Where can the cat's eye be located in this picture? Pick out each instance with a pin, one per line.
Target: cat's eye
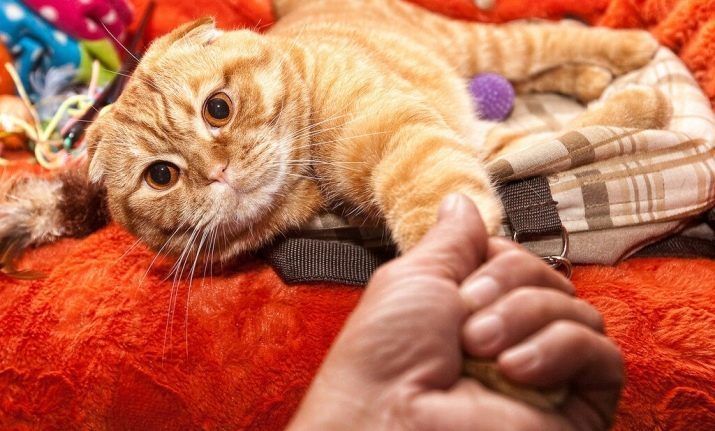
(161, 175)
(217, 110)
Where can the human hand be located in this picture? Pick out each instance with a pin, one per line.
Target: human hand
(397, 364)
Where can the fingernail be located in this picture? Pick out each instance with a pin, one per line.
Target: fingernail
(450, 204)
(522, 358)
(480, 292)
(486, 332)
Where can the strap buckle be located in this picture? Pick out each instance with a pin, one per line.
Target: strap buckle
(559, 262)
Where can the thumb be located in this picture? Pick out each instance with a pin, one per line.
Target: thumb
(456, 245)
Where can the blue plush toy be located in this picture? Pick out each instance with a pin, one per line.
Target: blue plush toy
(34, 43)
(38, 48)
(493, 95)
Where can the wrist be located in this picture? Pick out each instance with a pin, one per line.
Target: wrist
(340, 400)
(331, 407)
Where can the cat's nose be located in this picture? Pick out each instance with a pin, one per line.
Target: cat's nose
(218, 174)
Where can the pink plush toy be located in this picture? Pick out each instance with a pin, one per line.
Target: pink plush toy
(85, 19)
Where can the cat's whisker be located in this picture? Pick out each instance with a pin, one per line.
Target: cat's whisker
(313, 143)
(324, 162)
(212, 242)
(133, 76)
(210, 255)
(312, 129)
(300, 176)
(169, 331)
(129, 249)
(141, 281)
(313, 125)
(284, 54)
(309, 163)
(225, 243)
(118, 42)
(213, 251)
(188, 291)
(310, 133)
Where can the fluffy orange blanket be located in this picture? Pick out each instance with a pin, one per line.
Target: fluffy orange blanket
(106, 343)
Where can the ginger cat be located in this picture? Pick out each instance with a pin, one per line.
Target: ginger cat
(223, 140)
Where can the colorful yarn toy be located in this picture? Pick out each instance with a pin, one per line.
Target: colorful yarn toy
(46, 142)
(38, 47)
(493, 95)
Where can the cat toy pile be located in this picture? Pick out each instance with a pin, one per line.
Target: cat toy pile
(52, 87)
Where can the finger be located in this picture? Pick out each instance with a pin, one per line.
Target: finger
(507, 271)
(455, 245)
(471, 406)
(520, 314)
(565, 351)
(497, 245)
(569, 352)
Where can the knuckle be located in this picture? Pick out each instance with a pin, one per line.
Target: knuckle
(518, 257)
(524, 297)
(567, 329)
(594, 318)
(534, 301)
(615, 353)
(616, 361)
(518, 264)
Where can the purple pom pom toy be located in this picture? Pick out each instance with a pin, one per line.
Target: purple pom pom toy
(493, 95)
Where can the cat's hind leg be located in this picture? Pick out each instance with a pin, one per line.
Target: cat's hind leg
(521, 50)
(585, 82)
(635, 106)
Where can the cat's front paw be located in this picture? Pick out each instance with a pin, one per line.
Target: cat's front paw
(408, 229)
(490, 209)
(630, 50)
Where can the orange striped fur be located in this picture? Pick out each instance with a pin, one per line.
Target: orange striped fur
(360, 104)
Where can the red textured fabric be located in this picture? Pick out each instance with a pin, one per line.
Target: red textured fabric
(229, 14)
(93, 346)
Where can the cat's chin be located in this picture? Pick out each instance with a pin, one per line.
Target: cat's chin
(250, 232)
(242, 244)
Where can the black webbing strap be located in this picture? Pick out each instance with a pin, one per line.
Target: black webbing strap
(680, 246)
(528, 203)
(532, 214)
(530, 208)
(302, 260)
(683, 245)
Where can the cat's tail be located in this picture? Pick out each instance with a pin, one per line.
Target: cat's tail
(522, 50)
(40, 210)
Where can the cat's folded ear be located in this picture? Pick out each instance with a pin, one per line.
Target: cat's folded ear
(197, 32)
